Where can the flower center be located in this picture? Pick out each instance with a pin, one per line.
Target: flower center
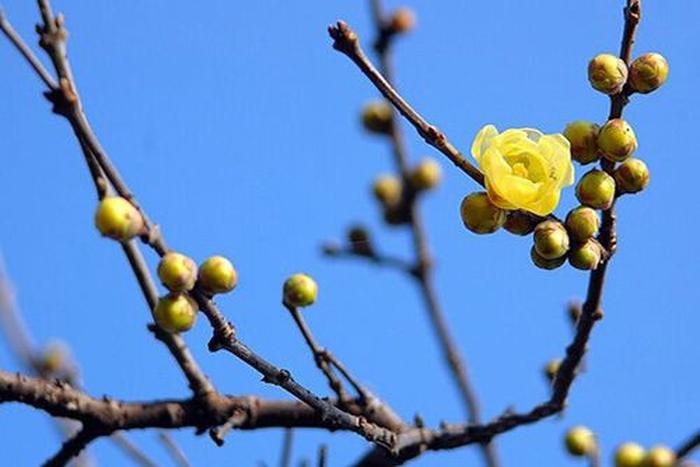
(520, 170)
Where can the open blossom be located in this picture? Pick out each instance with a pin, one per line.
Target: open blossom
(523, 168)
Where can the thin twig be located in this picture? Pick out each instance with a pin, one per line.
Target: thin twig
(72, 448)
(422, 270)
(322, 455)
(347, 42)
(176, 453)
(287, 444)
(688, 446)
(373, 257)
(132, 450)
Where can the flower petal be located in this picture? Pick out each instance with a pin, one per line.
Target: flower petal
(483, 140)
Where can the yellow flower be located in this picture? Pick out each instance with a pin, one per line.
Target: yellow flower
(523, 168)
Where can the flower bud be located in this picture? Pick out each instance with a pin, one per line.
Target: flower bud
(544, 263)
(551, 369)
(607, 73)
(582, 136)
(177, 272)
(175, 313)
(377, 117)
(617, 140)
(360, 241)
(387, 189)
(217, 275)
(660, 456)
(629, 455)
(53, 358)
(580, 441)
(582, 223)
(596, 189)
(551, 240)
(403, 20)
(520, 222)
(586, 256)
(632, 176)
(118, 219)
(426, 175)
(300, 290)
(480, 215)
(648, 72)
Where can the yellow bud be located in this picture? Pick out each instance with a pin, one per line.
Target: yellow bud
(582, 223)
(617, 140)
(53, 358)
(177, 272)
(175, 313)
(580, 441)
(632, 176)
(426, 175)
(377, 117)
(629, 455)
(586, 256)
(607, 73)
(480, 215)
(403, 20)
(596, 189)
(520, 222)
(300, 290)
(118, 219)
(648, 72)
(544, 263)
(582, 136)
(551, 240)
(387, 189)
(551, 368)
(217, 275)
(660, 456)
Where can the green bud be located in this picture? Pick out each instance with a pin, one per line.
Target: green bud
(629, 455)
(544, 263)
(607, 73)
(596, 189)
(632, 176)
(648, 72)
(660, 456)
(520, 222)
(175, 313)
(580, 441)
(582, 223)
(377, 117)
(426, 175)
(480, 215)
(586, 256)
(118, 219)
(300, 290)
(582, 136)
(551, 240)
(217, 275)
(177, 272)
(387, 189)
(617, 140)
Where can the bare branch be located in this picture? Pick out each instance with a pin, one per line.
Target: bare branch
(347, 42)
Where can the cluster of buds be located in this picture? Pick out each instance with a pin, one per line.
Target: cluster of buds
(609, 74)
(394, 194)
(581, 442)
(633, 455)
(176, 311)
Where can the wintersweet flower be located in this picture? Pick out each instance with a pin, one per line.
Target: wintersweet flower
(523, 168)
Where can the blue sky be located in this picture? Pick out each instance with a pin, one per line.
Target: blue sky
(238, 129)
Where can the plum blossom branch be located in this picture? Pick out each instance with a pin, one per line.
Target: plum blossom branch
(688, 446)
